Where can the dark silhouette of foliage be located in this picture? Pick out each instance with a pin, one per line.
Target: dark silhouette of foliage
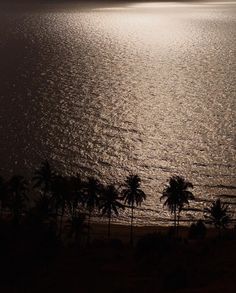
(42, 212)
(62, 197)
(110, 204)
(43, 178)
(60, 190)
(17, 187)
(218, 215)
(197, 230)
(76, 195)
(92, 192)
(177, 195)
(77, 226)
(56, 222)
(133, 195)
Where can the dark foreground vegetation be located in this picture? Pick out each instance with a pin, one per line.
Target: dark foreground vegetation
(49, 243)
(39, 262)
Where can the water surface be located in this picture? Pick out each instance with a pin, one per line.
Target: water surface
(105, 91)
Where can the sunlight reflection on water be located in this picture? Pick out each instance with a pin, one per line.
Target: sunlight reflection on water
(130, 89)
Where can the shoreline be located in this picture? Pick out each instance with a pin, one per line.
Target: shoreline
(122, 232)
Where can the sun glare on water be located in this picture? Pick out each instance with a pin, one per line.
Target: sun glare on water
(154, 5)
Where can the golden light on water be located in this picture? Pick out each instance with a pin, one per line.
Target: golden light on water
(179, 4)
(155, 5)
(136, 88)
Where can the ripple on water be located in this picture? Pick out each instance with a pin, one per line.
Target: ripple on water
(107, 92)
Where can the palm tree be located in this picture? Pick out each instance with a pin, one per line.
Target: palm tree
(60, 194)
(43, 178)
(92, 192)
(76, 194)
(17, 189)
(133, 195)
(177, 195)
(218, 214)
(110, 204)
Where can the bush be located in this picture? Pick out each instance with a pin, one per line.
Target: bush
(198, 230)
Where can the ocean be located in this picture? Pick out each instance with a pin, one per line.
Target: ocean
(113, 89)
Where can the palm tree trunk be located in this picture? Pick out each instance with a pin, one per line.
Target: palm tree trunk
(109, 226)
(56, 211)
(45, 191)
(175, 221)
(178, 217)
(73, 210)
(88, 236)
(62, 214)
(131, 225)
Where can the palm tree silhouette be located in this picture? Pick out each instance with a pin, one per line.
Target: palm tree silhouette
(176, 195)
(92, 193)
(76, 194)
(43, 178)
(133, 195)
(60, 194)
(110, 204)
(17, 189)
(218, 215)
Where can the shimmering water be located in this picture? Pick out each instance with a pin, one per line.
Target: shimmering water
(142, 88)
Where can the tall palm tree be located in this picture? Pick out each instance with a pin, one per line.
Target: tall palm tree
(218, 215)
(17, 189)
(110, 204)
(177, 195)
(43, 178)
(92, 193)
(133, 195)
